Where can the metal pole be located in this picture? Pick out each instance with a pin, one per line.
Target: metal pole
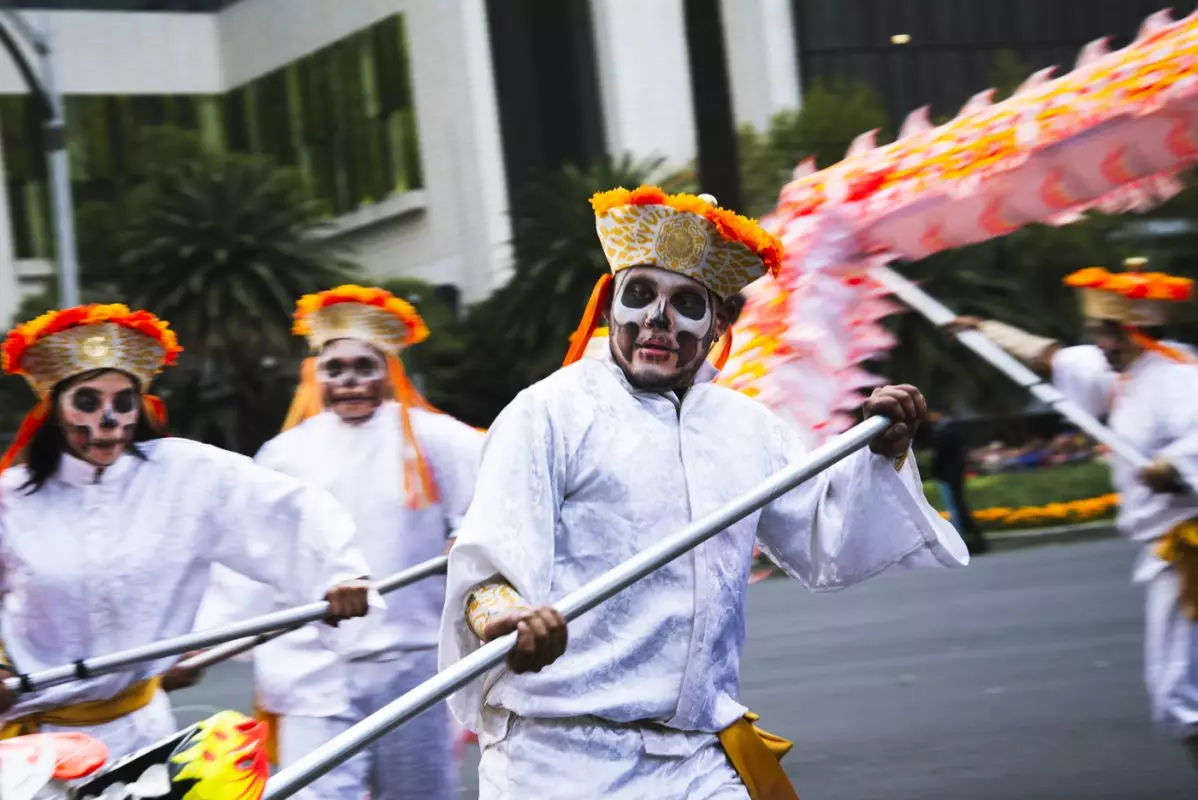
(338, 749)
(976, 341)
(60, 182)
(265, 624)
(58, 166)
(236, 647)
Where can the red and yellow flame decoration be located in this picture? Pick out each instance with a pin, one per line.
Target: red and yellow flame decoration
(420, 488)
(223, 759)
(24, 337)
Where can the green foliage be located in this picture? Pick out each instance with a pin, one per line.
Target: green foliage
(1038, 487)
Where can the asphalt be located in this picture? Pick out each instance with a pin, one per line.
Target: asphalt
(1017, 678)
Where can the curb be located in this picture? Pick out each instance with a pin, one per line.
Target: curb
(1001, 541)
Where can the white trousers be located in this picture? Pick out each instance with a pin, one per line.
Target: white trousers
(132, 732)
(1171, 658)
(587, 758)
(413, 761)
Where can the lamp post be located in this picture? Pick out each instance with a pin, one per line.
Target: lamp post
(48, 97)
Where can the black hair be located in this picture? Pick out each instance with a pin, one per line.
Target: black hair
(43, 455)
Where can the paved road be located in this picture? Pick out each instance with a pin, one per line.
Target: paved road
(1015, 679)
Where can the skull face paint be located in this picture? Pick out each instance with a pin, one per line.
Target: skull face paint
(99, 416)
(354, 377)
(663, 327)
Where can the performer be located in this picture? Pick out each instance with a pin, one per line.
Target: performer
(601, 460)
(1146, 390)
(108, 530)
(360, 430)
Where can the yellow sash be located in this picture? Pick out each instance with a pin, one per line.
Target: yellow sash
(271, 745)
(92, 712)
(757, 757)
(1180, 548)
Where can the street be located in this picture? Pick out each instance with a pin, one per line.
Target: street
(1017, 677)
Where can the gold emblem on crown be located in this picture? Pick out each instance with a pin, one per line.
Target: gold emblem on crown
(74, 351)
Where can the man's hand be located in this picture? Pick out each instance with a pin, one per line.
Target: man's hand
(347, 600)
(1161, 476)
(179, 677)
(906, 409)
(540, 640)
(962, 324)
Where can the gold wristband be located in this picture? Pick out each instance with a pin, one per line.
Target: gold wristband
(488, 601)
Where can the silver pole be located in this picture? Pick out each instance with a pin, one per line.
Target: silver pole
(338, 749)
(976, 341)
(236, 647)
(60, 180)
(265, 624)
(57, 157)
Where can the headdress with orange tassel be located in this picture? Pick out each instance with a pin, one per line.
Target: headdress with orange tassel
(388, 323)
(686, 234)
(1133, 299)
(59, 345)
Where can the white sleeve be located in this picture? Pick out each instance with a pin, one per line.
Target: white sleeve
(1084, 376)
(508, 531)
(853, 520)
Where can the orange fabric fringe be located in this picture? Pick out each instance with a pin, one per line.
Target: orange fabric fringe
(600, 300)
(1152, 345)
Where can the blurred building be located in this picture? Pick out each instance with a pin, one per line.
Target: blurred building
(421, 121)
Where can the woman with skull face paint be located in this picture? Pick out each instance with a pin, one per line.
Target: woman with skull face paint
(1146, 390)
(406, 473)
(597, 462)
(108, 530)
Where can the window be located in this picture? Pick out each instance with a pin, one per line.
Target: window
(343, 116)
(947, 49)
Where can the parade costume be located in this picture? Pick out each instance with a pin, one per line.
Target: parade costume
(1151, 405)
(406, 475)
(101, 559)
(584, 470)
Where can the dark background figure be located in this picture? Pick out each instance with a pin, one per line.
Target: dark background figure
(947, 441)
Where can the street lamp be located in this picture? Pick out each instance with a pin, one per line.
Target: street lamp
(46, 93)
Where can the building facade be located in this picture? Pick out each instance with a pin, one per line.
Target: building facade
(443, 109)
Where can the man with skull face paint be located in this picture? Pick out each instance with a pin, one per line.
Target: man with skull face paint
(599, 461)
(108, 530)
(406, 473)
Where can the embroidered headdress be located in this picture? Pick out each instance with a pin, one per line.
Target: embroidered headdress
(683, 233)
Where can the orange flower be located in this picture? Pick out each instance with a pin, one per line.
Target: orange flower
(1133, 285)
(25, 336)
(372, 296)
(732, 226)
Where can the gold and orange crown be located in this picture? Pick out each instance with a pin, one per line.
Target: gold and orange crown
(1131, 298)
(686, 234)
(355, 312)
(61, 344)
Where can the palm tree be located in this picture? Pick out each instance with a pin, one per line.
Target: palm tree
(222, 245)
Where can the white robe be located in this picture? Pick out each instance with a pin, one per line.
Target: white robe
(318, 690)
(97, 563)
(1153, 406)
(580, 473)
